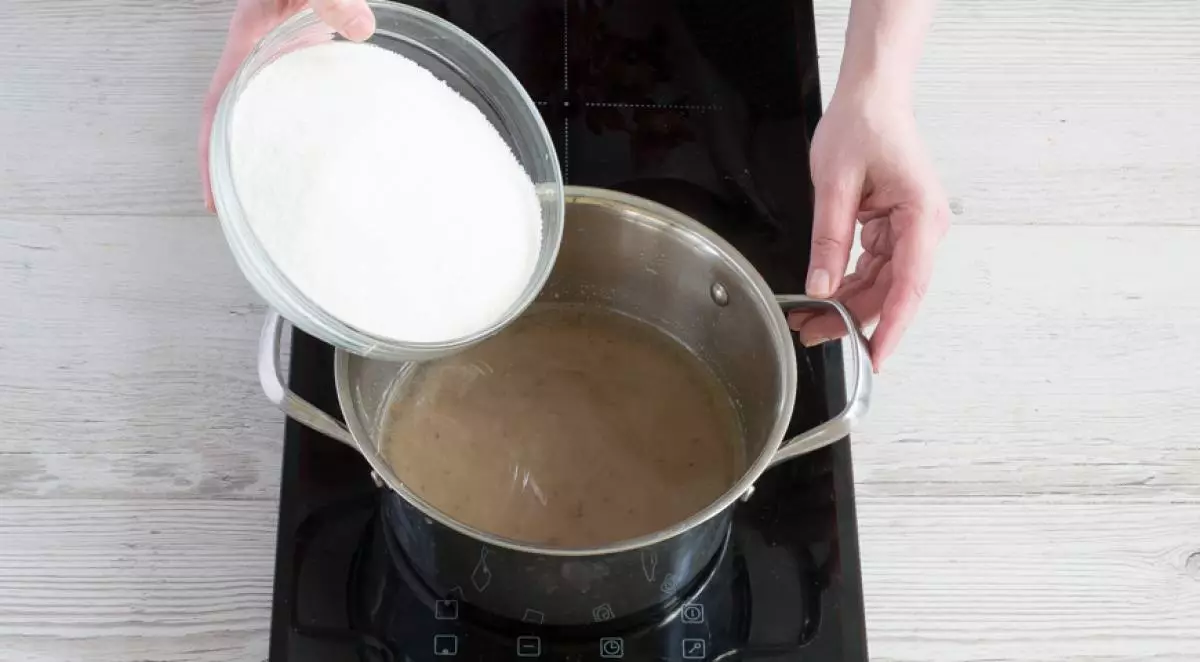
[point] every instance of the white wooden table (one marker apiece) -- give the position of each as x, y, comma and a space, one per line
1029, 479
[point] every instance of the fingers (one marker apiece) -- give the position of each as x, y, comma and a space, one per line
206, 120
862, 293
876, 237
245, 29
917, 231
351, 18
251, 21
834, 216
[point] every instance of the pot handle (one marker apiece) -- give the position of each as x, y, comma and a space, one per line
270, 375
860, 394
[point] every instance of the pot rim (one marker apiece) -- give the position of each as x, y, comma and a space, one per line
650, 213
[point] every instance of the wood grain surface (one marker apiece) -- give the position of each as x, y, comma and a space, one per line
1028, 478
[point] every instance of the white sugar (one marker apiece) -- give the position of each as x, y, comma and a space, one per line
383, 195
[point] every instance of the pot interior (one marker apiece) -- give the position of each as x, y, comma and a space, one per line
651, 263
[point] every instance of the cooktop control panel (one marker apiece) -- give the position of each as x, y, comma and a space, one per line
711, 622
688, 636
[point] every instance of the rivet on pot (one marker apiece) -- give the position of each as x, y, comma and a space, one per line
748, 493
376, 479
719, 294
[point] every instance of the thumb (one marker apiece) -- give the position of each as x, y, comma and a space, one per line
834, 213
351, 18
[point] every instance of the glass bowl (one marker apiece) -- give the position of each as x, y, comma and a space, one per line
469, 68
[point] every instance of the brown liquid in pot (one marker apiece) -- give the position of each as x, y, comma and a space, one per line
574, 427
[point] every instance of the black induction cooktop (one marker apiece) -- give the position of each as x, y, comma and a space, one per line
706, 106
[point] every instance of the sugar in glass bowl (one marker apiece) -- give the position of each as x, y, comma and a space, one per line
471, 70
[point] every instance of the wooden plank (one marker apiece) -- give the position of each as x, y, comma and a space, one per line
101, 103
170, 646
129, 347
120, 580
953, 580
1046, 360
1070, 579
184, 328
1038, 112
1057, 112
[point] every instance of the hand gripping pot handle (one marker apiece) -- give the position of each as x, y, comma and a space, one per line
270, 375
859, 395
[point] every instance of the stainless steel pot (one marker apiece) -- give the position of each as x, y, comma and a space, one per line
645, 260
